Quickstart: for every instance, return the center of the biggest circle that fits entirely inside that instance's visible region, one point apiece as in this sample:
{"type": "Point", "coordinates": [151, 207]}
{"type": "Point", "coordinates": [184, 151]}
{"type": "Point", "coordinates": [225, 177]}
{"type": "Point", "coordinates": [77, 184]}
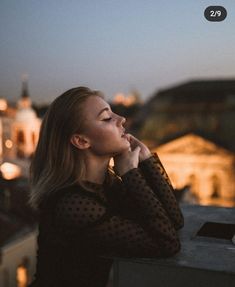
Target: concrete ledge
{"type": "Point", "coordinates": [202, 260]}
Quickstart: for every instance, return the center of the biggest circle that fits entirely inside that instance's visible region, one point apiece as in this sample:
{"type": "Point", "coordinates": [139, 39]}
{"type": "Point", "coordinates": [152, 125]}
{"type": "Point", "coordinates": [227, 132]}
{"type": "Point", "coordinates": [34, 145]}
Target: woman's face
{"type": "Point", "coordinates": [103, 128]}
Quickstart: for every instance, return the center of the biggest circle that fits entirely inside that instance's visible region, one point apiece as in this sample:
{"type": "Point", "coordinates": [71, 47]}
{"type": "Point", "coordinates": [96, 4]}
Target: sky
{"type": "Point", "coordinates": [112, 46]}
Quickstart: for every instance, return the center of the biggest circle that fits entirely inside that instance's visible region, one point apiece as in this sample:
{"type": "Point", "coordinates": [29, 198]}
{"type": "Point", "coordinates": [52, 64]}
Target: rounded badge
{"type": "Point", "coordinates": [215, 13]}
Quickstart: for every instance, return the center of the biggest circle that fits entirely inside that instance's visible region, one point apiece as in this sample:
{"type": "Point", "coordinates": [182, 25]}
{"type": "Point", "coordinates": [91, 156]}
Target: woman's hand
{"type": "Point", "coordinates": [144, 150]}
{"type": "Point", "coordinates": [126, 160]}
{"type": "Point", "coordinates": [129, 159]}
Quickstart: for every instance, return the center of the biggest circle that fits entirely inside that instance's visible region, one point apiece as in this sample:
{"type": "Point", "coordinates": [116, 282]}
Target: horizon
{"type": "Point", "coordinates": [175, 85]}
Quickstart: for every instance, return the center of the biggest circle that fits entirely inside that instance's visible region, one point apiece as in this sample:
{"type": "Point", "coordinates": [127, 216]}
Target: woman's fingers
{"type": "Point", "coordinates": [134, 141]}
{"type": "Point", "coordinates": [127, 160]}
{"type": "Point", "coordinates": [144, 151]}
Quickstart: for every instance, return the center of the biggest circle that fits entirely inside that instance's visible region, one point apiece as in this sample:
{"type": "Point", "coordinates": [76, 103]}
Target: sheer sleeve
{"type": "Point", "coordinates": [151, 235]}
{"type": "Point", "coordinates": [158, 180]}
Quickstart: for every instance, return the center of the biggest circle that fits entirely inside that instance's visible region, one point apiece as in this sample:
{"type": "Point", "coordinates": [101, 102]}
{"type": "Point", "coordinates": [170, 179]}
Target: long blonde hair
{"type": "Point", "coordinates": [56, 162]}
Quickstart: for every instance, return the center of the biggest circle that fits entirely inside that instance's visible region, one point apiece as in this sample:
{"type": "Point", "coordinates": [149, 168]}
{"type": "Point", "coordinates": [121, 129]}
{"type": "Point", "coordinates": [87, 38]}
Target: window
{"type": "Point", "coordinates": [33, 139]}
{"type": "Point", "coordinates": [215, 187]}
{"type": "Point", "coordinates": [22, 276]}
{"type": "Point", "coordinates": [192, 182]}
{"type": "Point", "coordinates": [20, 137]}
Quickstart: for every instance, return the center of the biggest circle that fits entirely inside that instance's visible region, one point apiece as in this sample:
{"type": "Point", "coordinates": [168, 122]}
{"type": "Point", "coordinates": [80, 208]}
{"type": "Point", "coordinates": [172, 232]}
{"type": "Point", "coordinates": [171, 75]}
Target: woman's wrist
{"type": "Point", "coordinates": [121, 172]}
{"type": "Point", "coordinates": [145, 156]}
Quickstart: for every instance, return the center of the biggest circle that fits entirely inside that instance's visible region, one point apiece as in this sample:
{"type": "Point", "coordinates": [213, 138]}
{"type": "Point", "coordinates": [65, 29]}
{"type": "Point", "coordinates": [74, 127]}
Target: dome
{"type": "Point", "coordinates": [25, 115]}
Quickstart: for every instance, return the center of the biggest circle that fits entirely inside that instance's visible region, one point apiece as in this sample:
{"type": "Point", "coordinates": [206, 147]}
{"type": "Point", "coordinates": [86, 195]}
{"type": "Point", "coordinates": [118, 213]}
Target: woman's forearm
{"type": "Point", "coordinates": [157, 178]}
{"type": "Point", "coordinates": [152, 215]}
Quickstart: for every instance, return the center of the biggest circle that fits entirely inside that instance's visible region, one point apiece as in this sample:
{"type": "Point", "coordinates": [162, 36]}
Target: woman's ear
{"type": "Point", "coordinates": [80, 141]}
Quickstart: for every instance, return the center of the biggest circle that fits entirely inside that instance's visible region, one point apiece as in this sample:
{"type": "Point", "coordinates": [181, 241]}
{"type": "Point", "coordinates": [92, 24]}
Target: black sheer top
{"type": "Point", "coordinates": [80, 230]}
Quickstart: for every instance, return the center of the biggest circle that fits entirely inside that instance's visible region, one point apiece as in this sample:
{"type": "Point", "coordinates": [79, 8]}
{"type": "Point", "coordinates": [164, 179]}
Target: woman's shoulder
{"type": "Point", "coordinates": [64, 194]}
{"type": "Point", "coordinates": [78, 206]}
{"type": "Point", "coordinates": [77, 195]}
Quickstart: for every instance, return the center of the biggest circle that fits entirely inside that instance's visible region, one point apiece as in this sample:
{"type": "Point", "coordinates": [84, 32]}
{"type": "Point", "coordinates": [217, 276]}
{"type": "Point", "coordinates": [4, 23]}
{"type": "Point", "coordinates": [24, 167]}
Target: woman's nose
{"type": "Point", "coordinates": [122, 120]}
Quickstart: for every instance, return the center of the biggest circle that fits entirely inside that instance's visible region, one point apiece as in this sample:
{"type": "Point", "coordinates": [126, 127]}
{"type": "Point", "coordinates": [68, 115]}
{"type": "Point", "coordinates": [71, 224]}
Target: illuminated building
{"type": "Point", "coordinates": [26, 126]}
{"type": "Point", "coordinates": [127, 100]}
{"type": "Point", "coordinates": [19, 132]}
{"type": "Point", "coordinates": [205, 167]}
{"type": "Point", "coordinates": [17, 252]}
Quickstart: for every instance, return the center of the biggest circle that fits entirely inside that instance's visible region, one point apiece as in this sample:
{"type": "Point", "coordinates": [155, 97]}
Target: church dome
{"type": "Point", "coordinates": [25, 115]}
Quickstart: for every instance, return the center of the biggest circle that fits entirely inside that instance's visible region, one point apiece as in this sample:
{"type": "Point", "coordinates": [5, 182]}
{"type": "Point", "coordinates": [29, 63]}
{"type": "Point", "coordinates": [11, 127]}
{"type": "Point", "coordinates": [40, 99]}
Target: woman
{"type": "Point", "coordinates": [88, 211]}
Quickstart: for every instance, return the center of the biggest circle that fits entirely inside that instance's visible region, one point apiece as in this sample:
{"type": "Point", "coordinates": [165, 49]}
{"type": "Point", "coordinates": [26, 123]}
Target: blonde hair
{"type": "Point", "coordinates": [56, 162]}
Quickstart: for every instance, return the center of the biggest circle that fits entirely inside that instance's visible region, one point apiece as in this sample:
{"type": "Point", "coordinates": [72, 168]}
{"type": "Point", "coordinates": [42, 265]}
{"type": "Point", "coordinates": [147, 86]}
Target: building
{"type": "Point", "coordinates": [206, 105]}
{"type": "Point", "coordinates": [18, 234]}
{"type": "Point", "coordinates": [19, 131]}
{"type": "Point", "coordinates": [206, 168]}
{"type": "Point", "coordinates": [17, 251]}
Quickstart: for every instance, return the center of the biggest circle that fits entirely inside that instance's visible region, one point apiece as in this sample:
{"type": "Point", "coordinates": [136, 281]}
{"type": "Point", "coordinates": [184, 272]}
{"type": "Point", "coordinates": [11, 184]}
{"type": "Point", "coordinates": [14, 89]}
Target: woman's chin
{"type": "Point", "coordinates": [126, 147]}
{"type": "Point", "coordinates": [126, 141]}
{"type": "Point", "coordinates": [123, 147]}
{"type": "Point", "coordinates": [125, 138]}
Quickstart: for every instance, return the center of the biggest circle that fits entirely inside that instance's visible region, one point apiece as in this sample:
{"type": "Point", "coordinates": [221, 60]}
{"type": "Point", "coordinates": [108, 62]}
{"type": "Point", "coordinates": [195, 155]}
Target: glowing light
{"type": "Point", "coordinates": [22, 277]}
{"type": "Point", "coordinates": [10, 170]}
{"type": "Point", "coordinates": [3, 104]}
{"type": "Point", "coordinates": [8, 143]}
{"type": "Point", "coordinates": [120, 98]}
{"type": "Point", "coordinates": [111, 162]}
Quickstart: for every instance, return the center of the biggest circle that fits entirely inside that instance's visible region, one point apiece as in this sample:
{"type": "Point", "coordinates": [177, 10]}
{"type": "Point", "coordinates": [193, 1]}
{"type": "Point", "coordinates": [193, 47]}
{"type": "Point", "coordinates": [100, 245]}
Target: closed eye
{"type": "Point", "coordinates": [107, 119]}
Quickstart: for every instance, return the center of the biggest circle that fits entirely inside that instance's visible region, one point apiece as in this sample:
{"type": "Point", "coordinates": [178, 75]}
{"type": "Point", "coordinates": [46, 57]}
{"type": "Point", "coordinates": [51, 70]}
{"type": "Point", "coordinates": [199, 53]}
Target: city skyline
{"type": "Point", "coordinates": [115, 47]}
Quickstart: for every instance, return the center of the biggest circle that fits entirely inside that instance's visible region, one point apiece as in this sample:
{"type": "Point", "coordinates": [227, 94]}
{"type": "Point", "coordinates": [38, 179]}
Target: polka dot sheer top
{"type": "Point", "coordinates": [80, 231]}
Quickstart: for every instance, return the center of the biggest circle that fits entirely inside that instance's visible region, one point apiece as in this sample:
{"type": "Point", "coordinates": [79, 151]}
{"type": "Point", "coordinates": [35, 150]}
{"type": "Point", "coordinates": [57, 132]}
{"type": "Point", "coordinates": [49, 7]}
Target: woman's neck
{"type": "Point", "coordinates": [96, 169]}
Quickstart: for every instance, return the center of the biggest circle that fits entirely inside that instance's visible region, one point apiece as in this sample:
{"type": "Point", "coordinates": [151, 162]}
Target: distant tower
{"type": "Point", "coordinates": [24, 102]}
{"type": "Point", "coordinates": [26, 125]}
